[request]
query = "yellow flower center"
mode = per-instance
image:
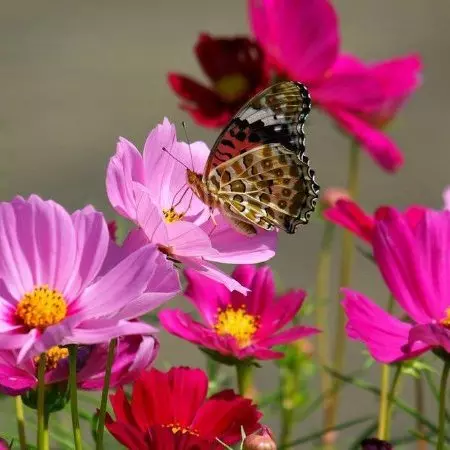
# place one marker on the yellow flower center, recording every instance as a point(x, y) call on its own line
point(236, 323)
point(170, 215)
point(232, 87)
point(177, 428)
point(41, 308)
point(53, 356)
point(446, 321)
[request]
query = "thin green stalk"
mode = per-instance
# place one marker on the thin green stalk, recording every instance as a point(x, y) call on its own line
point(420, 406)
point(442, 399)
point(20, 417)
point(74, 397)
point(383, 418)
point(244, 374)
point(104, 402)
point(391, 399)
point(42, 421)
point(347, 256)
point(212, 369)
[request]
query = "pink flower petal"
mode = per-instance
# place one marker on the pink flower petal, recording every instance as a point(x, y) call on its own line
point(288, 336)
point(108, 296)
point(379, 147)
point(124, 169)
point(446, 198)
point(245, 250)
point(37, 244)
point(432, 334)
point(349, 215)
point(187, 239)
point(92, 244)
point(300, 35)
point(384, 335)
point(206, 294)
point(403, 265)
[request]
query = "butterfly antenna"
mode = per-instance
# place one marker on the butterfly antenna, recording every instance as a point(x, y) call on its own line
point(175, 158)
point(189, 144)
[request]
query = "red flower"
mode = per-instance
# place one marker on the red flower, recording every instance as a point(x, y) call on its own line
point(237, 69)
point(177, 401)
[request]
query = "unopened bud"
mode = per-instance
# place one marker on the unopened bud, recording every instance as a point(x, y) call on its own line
point(261, 440)
point(332, 195)
point(375, 444)
point(4, 445)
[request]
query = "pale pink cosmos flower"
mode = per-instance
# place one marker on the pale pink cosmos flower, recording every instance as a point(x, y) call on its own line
point(234, 325)
point(59, 284)
point(301, 39)
point(415, 265)
point(151, 190)
point(133, 354)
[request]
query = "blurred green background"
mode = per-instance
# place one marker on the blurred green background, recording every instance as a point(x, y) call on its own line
point(76, 75)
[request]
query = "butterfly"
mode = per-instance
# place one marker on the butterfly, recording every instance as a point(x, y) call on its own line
point(257, 174)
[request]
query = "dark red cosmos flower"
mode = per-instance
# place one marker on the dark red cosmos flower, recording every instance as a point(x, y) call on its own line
point(375, 444)
point(177, 401)
point(237, 70)
point(161, 438)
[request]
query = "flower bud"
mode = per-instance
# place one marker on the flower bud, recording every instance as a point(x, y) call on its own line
point(261, 440)
point(4, 445)
point(375, 444)
point(332, 195)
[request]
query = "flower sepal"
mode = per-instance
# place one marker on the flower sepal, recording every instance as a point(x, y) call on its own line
point(57, 396)
point(442, 354)
point(228, 360)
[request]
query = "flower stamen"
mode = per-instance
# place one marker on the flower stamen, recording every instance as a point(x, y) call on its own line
point(52, 357)
point(178, 428)
point(232, 87)
point(446, 320)
point(41, 308)
point(237, 323)
point(170, 215)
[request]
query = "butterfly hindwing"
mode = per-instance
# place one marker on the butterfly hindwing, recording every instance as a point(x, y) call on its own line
point(276, 115)
point(268, 186)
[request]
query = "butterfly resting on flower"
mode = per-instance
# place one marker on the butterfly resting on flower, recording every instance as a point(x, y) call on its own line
point(257, 174)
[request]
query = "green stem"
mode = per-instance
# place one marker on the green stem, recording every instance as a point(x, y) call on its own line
point(384, 397)
point(244, 375)
point(20, 417)
point(420, 406)
point(345, 280)
point(104, 402)
point(322, 300)
point(442, 398)
point(212, 369)
point(74, 396)
point(42, 429)
point(391, 398)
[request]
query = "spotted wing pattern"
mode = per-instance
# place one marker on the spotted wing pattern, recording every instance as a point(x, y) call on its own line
point(268, 186)
point(275, 115)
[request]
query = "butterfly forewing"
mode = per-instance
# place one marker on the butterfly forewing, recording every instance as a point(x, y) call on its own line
point(275, 115)
point(268, 186)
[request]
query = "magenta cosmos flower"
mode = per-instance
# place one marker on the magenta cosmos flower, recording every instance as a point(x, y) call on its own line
point(235, 325)
point(349, 215)
point(301, 40)
point(415, 265)
point(133, 354)
point(151, 190)
point(177, 400)
point(60, 286)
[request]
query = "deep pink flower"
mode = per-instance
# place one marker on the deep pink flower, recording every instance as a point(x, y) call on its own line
point(235, 325)
point(302, 42)
point(237, 71)
point(133, 354)
point(177, 400)
point(349, 215)
point(151, 190)
point(59, 285)
point(415, 265)
point(4, 445)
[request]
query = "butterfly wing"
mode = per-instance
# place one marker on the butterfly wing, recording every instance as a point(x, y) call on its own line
point(275, 115)
point(268, 186)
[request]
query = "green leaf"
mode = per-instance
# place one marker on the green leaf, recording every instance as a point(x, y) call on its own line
point(319, 434)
